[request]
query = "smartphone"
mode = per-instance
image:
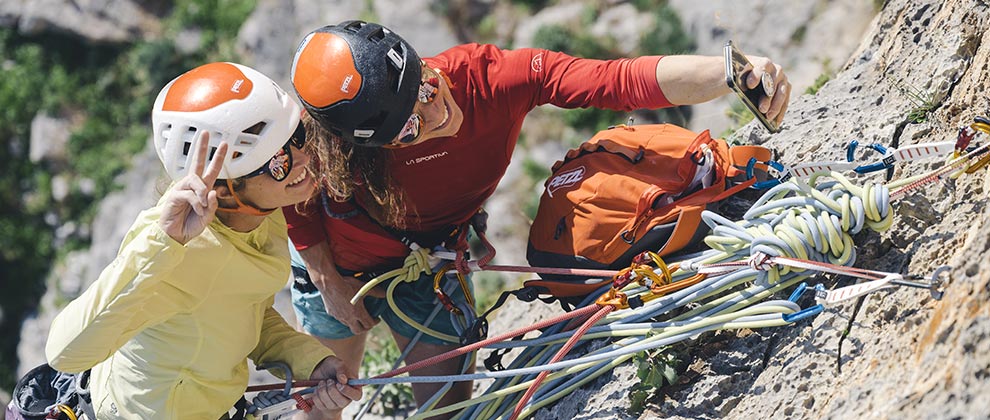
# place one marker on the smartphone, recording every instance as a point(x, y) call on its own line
point(737, 68)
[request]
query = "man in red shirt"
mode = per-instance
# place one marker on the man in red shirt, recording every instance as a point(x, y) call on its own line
point(408, 149)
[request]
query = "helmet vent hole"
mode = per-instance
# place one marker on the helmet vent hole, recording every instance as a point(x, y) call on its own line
point(377, 36)
point(187, 140)
point(165, 130)
point(256, 129)
point(354, 26)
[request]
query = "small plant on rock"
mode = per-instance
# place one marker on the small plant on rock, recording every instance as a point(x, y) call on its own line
point(924, 103)
point(654, 368)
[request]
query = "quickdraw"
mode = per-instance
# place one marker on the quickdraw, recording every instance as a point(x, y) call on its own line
point(780, 173)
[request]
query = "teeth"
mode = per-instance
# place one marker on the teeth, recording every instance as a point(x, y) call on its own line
point(298, 179)
point(446, 115)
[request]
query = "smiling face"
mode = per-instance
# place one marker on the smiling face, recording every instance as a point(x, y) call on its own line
point(434, 115)
point(264, 192)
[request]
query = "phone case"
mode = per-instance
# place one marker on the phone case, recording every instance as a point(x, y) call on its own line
point(736, 65)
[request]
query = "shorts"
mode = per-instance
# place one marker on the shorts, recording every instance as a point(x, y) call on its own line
point(416, 299)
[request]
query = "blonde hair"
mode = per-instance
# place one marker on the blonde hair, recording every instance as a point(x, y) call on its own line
point(344, 169)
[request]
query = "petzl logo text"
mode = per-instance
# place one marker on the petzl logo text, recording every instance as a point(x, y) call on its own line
point(565, 180)
point(347, 83)
point(537, 63)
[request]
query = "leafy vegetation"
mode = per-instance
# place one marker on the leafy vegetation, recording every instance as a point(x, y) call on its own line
point(822, 79)
point(107, 92)
point(537, 174)
point(395, 399)
point(532, 5)
point(654, 368)
point(666, 36)
point(740, 116)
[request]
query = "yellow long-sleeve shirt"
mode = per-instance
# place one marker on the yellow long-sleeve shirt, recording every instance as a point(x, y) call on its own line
point(167, 328)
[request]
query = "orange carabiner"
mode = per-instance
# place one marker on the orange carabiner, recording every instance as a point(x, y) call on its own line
point(613, 298)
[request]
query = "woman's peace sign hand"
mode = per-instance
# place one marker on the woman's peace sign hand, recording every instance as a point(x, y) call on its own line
point(192, 203)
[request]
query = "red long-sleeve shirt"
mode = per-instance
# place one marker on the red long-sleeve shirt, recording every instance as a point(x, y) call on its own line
point(446, 180)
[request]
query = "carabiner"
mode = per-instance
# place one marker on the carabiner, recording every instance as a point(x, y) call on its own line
point(777, 172)
point(886, 163)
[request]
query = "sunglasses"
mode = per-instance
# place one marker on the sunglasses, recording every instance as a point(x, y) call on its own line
point(279, 166)
point(428, 89)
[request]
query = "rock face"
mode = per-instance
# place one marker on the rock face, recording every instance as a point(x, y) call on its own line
point(270, 47)
point(807, 38)
point(142, 187)
point(904, 355)
point(98, 21)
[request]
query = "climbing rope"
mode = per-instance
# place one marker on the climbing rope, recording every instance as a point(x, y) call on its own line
point(795, 230)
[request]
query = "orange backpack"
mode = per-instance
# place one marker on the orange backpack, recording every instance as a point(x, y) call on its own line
point(627, 190)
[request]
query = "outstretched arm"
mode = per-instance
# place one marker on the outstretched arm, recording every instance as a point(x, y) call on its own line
point(692, 79)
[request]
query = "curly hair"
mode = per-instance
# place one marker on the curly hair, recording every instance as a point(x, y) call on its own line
point(344, 169)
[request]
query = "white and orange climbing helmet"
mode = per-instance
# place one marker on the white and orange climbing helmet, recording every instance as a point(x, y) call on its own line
point(232, 103)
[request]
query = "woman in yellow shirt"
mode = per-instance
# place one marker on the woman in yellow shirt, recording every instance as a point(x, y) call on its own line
point(169, 325)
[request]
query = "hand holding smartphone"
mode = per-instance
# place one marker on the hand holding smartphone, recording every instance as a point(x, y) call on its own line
point(737, 68)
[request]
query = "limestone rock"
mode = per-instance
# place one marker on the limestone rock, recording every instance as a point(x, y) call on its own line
point(97, 21)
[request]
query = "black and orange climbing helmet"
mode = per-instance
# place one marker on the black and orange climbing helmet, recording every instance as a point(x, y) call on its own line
point(358, 79)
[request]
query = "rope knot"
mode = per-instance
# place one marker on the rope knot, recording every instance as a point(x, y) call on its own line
point(761, 262)
point(419, 261)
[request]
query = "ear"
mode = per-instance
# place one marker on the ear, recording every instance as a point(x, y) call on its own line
point(223, 193)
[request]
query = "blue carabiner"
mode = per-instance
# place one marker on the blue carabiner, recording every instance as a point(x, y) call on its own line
point(886, 163)
point(798, 291)
point(769, 183)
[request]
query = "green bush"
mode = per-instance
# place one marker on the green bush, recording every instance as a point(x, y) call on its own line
point(532, 5)
point(25, 239)
point(667, 35)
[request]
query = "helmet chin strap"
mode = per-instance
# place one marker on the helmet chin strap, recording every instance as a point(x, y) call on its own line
point(241, 207)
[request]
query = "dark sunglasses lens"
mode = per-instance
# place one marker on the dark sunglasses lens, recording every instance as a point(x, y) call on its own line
point(410, 131)
point(298, 138)
point(280, 164)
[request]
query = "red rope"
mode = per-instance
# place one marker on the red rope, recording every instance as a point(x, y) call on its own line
point(301, 403)
point(938, 173)
point(602, 312)
point(467, 349)
point(582, 312)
